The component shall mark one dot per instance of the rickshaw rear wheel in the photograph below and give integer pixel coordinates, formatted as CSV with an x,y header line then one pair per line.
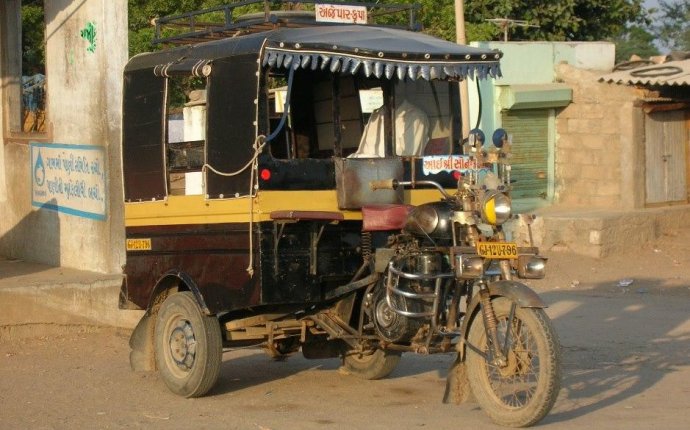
x,y
188,346
371,365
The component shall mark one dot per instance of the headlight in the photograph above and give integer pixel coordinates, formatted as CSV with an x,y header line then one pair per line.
x,y
495,208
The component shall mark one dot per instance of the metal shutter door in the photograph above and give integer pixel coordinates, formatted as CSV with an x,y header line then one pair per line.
x,y
530,132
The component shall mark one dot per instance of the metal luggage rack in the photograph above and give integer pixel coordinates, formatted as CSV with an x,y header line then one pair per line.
x,y
221,22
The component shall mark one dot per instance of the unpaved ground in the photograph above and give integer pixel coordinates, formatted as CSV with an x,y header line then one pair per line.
x,y
626,365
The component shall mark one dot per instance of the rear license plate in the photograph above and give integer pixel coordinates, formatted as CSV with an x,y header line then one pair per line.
x,y
138,244
498,250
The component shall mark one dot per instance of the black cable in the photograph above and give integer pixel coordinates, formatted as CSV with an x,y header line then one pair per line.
x,y
627,65
653,72
286,107
479,110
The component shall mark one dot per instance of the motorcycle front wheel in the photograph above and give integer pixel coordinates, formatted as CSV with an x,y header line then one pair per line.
x,y
523,391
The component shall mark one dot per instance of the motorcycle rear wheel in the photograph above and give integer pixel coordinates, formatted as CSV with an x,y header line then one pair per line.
x,y
521,393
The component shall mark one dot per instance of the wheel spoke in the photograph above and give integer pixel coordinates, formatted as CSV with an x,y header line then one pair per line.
x,y
504,350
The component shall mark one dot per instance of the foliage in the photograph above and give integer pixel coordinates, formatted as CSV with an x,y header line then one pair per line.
x,y
143,12
635,41
673,25
33,40
556,20
559,20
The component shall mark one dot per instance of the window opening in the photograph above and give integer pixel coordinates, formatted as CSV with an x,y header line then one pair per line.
x,y
332,115
33,82
185,136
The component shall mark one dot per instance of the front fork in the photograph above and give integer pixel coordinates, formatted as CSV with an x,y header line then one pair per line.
x,y
490,321
498,358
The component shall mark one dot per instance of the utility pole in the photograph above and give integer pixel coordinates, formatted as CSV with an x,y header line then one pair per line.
x,y
462,40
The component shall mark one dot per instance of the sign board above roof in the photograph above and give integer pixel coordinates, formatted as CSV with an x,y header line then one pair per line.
x,y
347,14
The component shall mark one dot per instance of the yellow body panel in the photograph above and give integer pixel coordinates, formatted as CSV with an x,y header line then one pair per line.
x,y
196,209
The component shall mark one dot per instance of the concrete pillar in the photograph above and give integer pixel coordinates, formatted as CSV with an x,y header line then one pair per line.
x,y
10,67
86,50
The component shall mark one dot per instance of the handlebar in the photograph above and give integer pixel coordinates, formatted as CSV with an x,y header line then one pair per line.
x,y
383,184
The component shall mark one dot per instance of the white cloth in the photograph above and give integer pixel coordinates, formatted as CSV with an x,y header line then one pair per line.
x,y
411,132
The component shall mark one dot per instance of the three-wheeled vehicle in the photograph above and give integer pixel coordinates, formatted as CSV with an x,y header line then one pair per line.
x,y
297,182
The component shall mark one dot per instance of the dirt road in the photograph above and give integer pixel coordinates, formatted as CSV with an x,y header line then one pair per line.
x,y
626,365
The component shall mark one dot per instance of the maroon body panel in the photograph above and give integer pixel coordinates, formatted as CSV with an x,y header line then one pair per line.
x,y
214,256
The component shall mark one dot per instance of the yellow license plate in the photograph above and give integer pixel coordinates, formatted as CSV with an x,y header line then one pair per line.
x,y
138,244
498,250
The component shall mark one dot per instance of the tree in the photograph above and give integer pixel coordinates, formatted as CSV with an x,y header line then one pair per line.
x,y
635,41
33,41
560,20
141,12
673,25
557,20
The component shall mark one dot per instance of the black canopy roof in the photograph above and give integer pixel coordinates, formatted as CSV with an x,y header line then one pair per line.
x,y
373,51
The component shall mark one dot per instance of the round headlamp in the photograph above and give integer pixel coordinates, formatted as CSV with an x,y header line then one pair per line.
x,y
495,208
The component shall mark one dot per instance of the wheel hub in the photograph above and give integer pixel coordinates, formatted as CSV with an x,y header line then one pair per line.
x,y
183,345
384,314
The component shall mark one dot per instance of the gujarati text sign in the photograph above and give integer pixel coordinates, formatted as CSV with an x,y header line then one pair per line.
x,y
341,13
448,163
69,179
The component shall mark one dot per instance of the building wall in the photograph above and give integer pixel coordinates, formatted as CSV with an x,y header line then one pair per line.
x,y
533,63
598,147
599,154
84,92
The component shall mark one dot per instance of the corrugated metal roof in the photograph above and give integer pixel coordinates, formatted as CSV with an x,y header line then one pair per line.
x,y
669,73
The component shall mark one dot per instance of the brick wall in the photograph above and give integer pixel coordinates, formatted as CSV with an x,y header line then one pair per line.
x,y
595,140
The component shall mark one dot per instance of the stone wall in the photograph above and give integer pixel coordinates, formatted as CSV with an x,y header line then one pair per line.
x,y
597,145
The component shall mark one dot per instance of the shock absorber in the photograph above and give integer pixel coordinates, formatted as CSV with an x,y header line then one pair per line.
x,y
365,249
366,246
491,326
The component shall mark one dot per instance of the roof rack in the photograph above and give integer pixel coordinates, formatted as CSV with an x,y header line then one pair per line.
x,y
221,22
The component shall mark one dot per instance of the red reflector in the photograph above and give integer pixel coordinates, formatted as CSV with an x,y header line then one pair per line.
x,y
457,175
265,174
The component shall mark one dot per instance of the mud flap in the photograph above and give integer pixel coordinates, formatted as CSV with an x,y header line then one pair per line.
x,y
141,357
457,383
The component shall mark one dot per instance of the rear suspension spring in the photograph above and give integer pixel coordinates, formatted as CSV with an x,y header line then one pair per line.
x,y
366,245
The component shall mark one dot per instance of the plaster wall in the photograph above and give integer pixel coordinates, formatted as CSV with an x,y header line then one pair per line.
x,y
533,62
84,92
